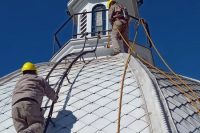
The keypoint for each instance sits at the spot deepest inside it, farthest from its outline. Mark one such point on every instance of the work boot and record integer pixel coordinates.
(26, 131)
(115, 53)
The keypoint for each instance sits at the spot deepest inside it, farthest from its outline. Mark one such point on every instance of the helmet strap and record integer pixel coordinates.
(30, 72)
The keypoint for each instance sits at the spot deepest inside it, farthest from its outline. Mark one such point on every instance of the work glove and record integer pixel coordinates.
(42, 110)
(56, 99)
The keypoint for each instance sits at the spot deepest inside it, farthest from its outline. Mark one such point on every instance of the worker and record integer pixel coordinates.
(119, 19)
(27, 99)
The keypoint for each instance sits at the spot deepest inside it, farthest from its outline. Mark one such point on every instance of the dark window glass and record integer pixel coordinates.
(98, 19)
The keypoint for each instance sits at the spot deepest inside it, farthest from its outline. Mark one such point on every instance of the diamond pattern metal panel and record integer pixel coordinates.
(184, 115)
(90, 103)
(6, 124)
(94, 100)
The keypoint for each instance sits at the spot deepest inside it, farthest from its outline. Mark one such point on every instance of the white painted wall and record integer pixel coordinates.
(78, 6)
(88, 7)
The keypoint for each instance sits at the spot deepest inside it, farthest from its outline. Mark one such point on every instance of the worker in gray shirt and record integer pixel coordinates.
(27, 99)
(119, 19)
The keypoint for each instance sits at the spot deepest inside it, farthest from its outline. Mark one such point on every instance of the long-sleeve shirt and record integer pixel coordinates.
(113, 13)
(34, 87)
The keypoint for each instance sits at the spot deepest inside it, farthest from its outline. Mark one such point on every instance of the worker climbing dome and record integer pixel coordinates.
(85, 88)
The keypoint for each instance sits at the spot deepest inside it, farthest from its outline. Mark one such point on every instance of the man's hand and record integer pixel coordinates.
(56, 99)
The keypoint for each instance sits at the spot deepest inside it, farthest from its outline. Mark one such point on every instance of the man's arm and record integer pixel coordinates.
(110, 15)
(50, 93)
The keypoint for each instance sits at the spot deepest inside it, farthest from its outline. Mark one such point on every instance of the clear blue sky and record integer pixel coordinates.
(27, 27)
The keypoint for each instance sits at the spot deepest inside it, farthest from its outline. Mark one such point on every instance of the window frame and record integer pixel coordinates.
(94, 14)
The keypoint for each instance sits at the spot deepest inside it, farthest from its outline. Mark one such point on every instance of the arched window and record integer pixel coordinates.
(98, 19)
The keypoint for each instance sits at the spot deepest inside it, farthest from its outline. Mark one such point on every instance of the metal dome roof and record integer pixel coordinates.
(90, 104)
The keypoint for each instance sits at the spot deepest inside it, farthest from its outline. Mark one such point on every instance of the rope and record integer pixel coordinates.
(121, 93)
(124, 75)
(174, 83)
(190, 98)
(160, 56)
(108, 44)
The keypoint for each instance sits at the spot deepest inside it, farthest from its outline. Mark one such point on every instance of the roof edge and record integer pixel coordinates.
(170, 123)
(153, 104)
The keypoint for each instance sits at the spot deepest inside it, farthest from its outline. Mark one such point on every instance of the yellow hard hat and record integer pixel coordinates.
(28, 66)
(109, 2)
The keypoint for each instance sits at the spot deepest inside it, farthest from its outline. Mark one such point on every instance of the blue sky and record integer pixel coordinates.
(175, 29)
(27, 29)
